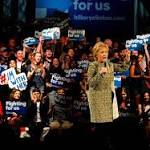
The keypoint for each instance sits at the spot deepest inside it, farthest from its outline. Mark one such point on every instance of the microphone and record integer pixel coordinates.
(105, 65)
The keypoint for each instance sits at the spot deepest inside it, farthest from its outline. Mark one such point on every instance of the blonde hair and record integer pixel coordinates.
(98, 47)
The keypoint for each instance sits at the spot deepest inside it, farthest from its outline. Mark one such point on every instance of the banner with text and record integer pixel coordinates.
(17, 107)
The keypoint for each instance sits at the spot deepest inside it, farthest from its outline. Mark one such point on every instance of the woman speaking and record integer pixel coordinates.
(101, 87)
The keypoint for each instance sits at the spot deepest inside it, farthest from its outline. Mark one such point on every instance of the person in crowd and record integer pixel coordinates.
(19, 60)
(81, 116)
(101, 85)
(136, 82)
(36, 73)
(62, 105)
(4, 57)
(55, 68)
(11, 46)
(14, 117)
(84, 82)
(37, 115)
(71, 54)
(67, 62)
(116, 57)
(48, 59)
(90, 57)
(115, 46)
(126, 106)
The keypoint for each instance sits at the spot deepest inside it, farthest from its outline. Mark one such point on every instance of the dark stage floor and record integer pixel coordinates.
(127, 134)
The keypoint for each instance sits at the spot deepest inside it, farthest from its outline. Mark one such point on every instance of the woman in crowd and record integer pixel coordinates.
(36, 73)
(136, 80)
(14, 116)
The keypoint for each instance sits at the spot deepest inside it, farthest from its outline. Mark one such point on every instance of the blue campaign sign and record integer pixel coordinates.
(124, 73)
(30, 41)
(18, 107)
(135, 44)
(117, 81)
(97, 15)
(144, 37)
(74, 73)
(76, 35)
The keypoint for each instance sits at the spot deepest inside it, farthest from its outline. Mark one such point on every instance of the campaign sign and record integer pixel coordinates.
(51, 33)
(10, 76)
(76, 35)
(18, 107)
(37, 34)
(21, 81)
(124, 73)
(18, 81)
(144, 37)
(58, 81)
(30, 41)
(73, 73)
(117, 81)
(134, 44)
(83, 64)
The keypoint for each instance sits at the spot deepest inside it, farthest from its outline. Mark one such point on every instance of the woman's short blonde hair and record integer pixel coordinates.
(98, 47)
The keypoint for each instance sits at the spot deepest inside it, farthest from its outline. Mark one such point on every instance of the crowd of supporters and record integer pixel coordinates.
(53, 105)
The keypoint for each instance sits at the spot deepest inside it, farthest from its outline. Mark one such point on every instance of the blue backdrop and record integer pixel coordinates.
(102, 17)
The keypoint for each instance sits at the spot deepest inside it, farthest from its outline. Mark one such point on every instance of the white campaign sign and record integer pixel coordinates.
(18, 81)
(51, 33)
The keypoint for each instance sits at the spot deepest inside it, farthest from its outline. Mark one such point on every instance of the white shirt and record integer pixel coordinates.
(38, 117)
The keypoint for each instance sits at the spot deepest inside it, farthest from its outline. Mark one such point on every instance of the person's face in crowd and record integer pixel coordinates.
(48, 53)
(30, 57)
(146, 97)
(116, 55)
(125, 55)
(64, 40)
(98, 39)
(84, 57)
(140, 58)
(83, 97)
(115, 45)
(124, 95)
(36, 95)
(60, 91)
(12, 64)
(17, 95)
(38, 57)
(5, 54)
(55, 62)
(102, 55)
(12, 43)
(71, 53)
(108, 42)
(90, 57)
(67, 58)
(19, 55)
